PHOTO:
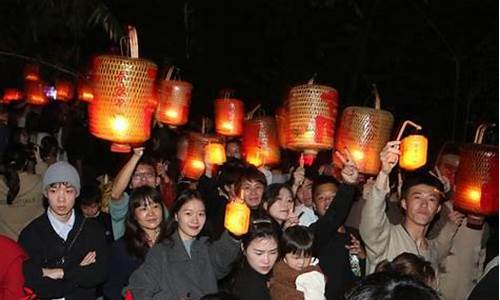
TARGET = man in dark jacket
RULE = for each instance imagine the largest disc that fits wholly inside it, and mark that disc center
(67, 253)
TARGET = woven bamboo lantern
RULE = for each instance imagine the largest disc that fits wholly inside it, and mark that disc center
(237, 218)
(413, 148)
(364, 131)
(31, 72)
(35, 93)
(174, 101)
(11, 94)
(193, 166)
(312, 112)
(85, 91)
(123, 88)
(260, 141)
(229, 116)
(477, 180)
(282, 123)
(64, 90)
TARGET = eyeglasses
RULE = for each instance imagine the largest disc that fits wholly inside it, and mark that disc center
(146, 175)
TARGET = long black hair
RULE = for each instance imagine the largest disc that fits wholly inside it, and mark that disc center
(15, 160)
(135, 237)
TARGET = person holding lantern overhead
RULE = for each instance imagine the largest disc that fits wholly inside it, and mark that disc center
(185, 265)
(252, 184)
(421, 199)
(138, 171)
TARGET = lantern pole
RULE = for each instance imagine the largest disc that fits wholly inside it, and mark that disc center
(418, 127)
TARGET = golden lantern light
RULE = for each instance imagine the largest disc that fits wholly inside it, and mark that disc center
(31, 72)
(121, 109)
(215, 153)
(260, 141)
(64, 90)
(35, 93)
(364, 131)
(413, 148)
(476, 191)
(229, 116)
(237, 218)
(312, 112)
(193, 166)
(174, 101)
(11, 94)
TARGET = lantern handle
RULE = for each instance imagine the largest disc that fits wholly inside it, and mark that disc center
(311, 81)
(250, 114)
(377, 96)
(134, 44)
(169, 73)
(480, 131)
(404, 126)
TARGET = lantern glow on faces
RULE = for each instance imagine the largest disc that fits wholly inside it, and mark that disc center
(229, 115)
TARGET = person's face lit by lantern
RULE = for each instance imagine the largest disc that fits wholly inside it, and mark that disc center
(233, 149)
(182, 146)
(261, 254)
(144, 175)
(252, 193)
(304, 193)
(421, 203)
(191, 218)
(281, 208)
(448, 166)
(324, 195)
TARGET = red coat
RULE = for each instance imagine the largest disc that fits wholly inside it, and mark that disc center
(11, 269)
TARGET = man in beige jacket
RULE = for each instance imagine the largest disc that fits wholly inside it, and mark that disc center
(421, 199)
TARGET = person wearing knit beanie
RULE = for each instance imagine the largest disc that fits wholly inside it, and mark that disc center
(60, 172)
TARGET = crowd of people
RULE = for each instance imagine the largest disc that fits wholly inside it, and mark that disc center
(73, 227)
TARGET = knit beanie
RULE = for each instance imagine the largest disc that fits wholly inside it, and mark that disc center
(62, 171)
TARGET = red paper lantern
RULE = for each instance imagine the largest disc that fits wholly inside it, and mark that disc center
(413, 152)
(215, 153)
(35, 93)
(120, 111)
(229, 116)
(312, 113)
(237, 217)
(194, 166)
(477, 180)
(11, 94)
(64, 90)
(31, 72)
(174, 100)
(260, 142)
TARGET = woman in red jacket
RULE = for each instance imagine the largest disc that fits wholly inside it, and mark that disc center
(11, 269)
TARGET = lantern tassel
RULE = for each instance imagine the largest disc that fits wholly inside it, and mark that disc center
(400, 134)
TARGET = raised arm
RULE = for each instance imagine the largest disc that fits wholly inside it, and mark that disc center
(123, 178)
(374, 226)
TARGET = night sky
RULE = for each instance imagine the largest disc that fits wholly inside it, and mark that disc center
(434, 62)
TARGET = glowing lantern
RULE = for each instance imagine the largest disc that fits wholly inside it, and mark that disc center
(260, 142)
(364, 131)
(413, 152)
(237, 218)
(174, 99)
(282, 123)
(10, 95)
(35, 93)
(229, 115)
(31, 72)
(476, 190)
(85, 91)
(193, 166)
(123, 87)
(215, 153)
(64, 90)
(312, 112)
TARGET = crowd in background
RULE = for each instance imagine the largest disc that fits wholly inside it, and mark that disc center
(77, 222)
